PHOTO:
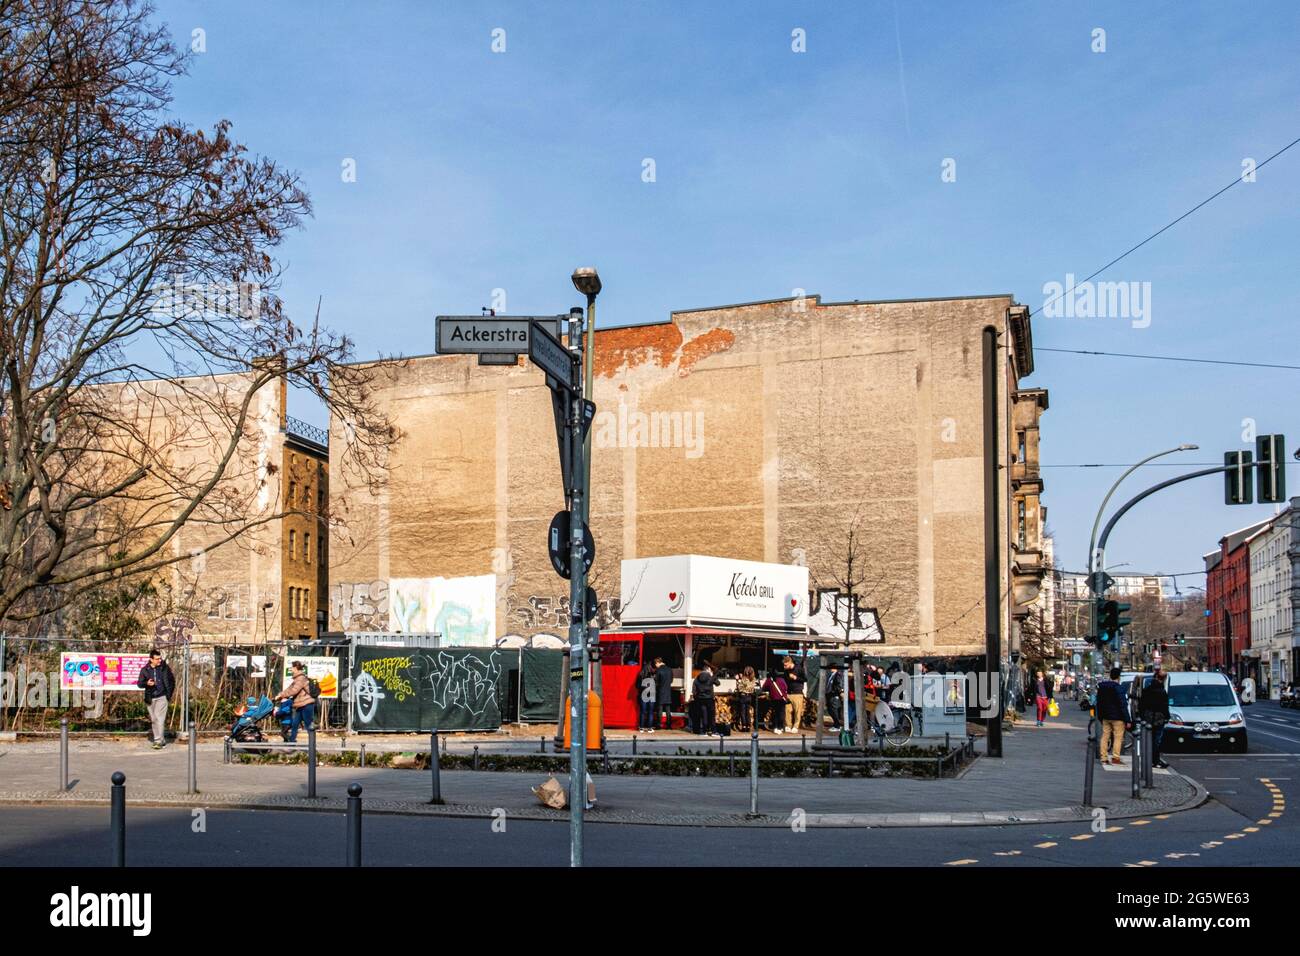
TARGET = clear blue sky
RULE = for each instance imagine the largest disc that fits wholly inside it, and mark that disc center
(819, 170)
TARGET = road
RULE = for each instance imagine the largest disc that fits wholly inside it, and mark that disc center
(1230, 831)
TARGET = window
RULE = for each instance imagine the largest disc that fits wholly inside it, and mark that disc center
(1020, 446)
(306, 547)
(293, 544)
(293, 493)
(306, 603)
(293, 603)
(320, 499)
(1020, 524)
(320, 549)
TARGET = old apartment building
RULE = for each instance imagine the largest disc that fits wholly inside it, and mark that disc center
(268, 583)
(759, 431)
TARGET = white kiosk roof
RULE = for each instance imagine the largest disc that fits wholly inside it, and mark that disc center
(693, 590)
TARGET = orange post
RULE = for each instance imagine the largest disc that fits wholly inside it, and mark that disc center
(595, 723)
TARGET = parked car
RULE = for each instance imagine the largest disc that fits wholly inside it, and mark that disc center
(1204, 713)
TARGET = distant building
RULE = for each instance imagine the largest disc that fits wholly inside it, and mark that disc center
(1227, 603)
(1274, 553)
(1073, 586)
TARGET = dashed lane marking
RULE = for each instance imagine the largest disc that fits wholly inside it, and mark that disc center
(1044, 846)
(1083, 836)
(960, 862)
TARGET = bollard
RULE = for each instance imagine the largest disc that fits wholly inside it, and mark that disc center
(803, 743)
(117, 818)
(830, 765)
(1135, 766)
(193, 776)
(226, 755)
(604, 761)
(753, 774)
(947, 742)
(720, 739)
(542, 743)
(604, 744)
(444, 746)
(435, 770)
(476, 756)
(1088, 759)
(311, 764)
(634, 745)
(63, 754)
(354, 824)
(1148, 762)
(362, 748)
(731, 765)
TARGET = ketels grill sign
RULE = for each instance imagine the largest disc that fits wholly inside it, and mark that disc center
(699, 589)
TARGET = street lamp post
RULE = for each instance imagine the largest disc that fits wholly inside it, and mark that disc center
(587, 281)
(1097, 561)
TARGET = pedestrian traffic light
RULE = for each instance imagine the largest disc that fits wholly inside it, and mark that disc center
(1270, 472)
(1237, 487)
(1181, 638)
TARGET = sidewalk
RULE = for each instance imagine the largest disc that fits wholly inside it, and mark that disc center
(1040, 779)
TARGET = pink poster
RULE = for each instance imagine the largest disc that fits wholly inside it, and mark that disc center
(80, 671)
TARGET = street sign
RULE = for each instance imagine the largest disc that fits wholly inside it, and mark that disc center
(485, 335)
(1099, 582)
(549, 354)
(558, 547)
(497, 358)
(1073, 645)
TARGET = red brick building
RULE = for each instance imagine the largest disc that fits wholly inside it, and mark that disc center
(1227, 602)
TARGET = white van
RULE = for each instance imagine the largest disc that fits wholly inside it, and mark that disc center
(1204, 713)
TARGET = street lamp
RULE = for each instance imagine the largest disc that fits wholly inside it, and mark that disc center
(1092, 542)
(587, 281)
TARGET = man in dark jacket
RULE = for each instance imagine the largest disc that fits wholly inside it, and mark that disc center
(663, 694)
(702, 690)
(835, 696)
(159, 684)
(1155, 711)
(1112, 711)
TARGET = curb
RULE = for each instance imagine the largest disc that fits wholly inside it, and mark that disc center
(1124, 810)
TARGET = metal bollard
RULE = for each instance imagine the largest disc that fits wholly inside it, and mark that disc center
(1135, 766)
(542, 743)
(311, 764)
(476, 756)
(1088, 759)
(226, 756)
(63, 754)
(634, 745)
(947, 741)
(731, 765)
(362, 748)
(1148, 754)
(193, 776)
(117, 818)
(753, 774)
(803, 743)
(435, 770)
(354, 824)
(720, 739)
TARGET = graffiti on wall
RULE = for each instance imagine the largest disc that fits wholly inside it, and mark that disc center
(830, 611)
(451, 689)
(550, 611)
(462, 610)
(360, 605)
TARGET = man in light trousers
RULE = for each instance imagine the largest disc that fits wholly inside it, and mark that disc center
(159, 684)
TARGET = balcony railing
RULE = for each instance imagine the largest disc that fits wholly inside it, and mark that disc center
(311, 433)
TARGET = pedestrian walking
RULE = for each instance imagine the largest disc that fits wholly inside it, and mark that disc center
(1155, 711)
(1042, 695)
(159, 685)
(663, 694)
(1112, 711)
(645, 686)
(304, 703)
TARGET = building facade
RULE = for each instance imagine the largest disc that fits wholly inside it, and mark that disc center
(1227, 603)
(763, 431)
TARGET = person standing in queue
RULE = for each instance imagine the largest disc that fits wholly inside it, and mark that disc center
(794, 682)
(778, 695)
(704, 703)
(746, 691)
(663, 695)
(646, 697)
(835, 697)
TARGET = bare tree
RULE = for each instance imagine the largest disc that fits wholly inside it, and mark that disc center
(849, 570)
(139, 329)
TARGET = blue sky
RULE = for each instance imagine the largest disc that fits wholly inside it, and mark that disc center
(820, 170)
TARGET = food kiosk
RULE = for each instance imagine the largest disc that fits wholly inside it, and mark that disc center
(691, 608)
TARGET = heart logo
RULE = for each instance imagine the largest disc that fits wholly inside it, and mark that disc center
(794, 602)
(672, 595)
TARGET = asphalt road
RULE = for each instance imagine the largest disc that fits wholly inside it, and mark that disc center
(1248, 822)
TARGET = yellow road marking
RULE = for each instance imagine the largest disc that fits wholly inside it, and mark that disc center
(960, 862)
(1139, 823)
(1083, 836)
(1044, 846)
(1007, 853)
(1250, 829)
(1266, 821)
(1233, 836)
(1162, 816)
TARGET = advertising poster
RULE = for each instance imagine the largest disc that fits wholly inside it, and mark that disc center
(79, 671)
(323, 670)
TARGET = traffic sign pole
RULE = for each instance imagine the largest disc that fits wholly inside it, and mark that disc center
(577, 623)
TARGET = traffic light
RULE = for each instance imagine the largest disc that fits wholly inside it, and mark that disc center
(1237, 487)
(1181, 638)
(1111, 621)
(1270, 452)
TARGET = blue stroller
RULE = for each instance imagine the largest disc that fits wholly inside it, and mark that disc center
(250, 714)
